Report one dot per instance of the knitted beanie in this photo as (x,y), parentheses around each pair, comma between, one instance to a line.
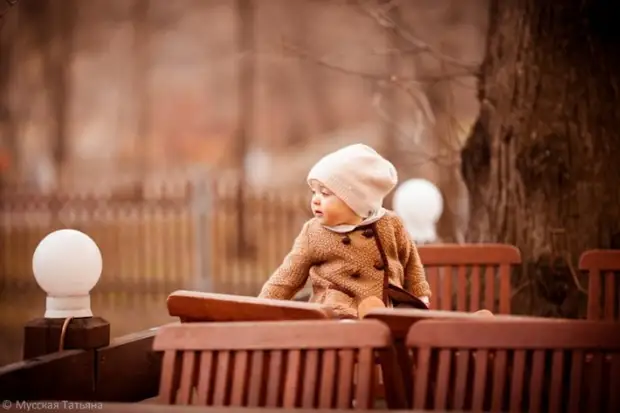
(358,175)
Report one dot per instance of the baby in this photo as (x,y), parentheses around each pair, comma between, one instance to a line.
(353,248)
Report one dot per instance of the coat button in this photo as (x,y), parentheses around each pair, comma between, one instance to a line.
(355,275)
(368,233)
(346,240)
(379,266)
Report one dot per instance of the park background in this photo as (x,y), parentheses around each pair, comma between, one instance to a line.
(178,136)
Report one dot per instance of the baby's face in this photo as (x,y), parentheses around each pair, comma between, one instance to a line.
(330,209)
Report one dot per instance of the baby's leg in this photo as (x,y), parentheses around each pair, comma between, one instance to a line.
(367,305)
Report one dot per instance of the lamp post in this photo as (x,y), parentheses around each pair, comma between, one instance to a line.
(67,264)
(419,204)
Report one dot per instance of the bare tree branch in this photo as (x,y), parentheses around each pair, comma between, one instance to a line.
(380,16)
(414,86)
(300,53)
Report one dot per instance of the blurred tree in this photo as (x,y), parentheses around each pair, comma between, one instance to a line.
(392,104)
(142,66)
(58,29)
(312,78)
(8,138)
(541,161)
(246,85)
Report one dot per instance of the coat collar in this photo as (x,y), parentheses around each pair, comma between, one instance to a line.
(343,229)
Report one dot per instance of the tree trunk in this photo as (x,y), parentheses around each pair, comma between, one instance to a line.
(541,163)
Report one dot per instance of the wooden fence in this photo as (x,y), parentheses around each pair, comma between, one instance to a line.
(211,236)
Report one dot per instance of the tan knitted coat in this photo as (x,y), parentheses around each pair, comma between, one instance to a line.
(346,268)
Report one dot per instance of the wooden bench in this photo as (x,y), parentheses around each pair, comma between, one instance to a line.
(603,267)
(308,364)
(516,366)
(399,321)
(195,306)
(457,272)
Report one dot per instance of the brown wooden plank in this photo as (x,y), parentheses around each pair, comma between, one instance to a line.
(557,375)
(486,333)
(576,374)
(276,361)
(291,380)
(128,370)
(443,380)
(67,375)
(600,259)
(446,288)
(536,381)
(240,379)
(167,392)
(221,378)
(460,383)
(365,379)
(499,380)
(203,389)
(400,320)
(195,306)
(505,295)
(474,293)
(187,378)
(611,292)
(257,372)
(594,294)
(346,364)
(326,392)
(296,335)
(311,379)
(517,381)
(469,254)
(461,288)
(489,288)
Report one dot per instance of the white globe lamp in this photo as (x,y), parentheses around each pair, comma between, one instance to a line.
(419,203)
(67,264)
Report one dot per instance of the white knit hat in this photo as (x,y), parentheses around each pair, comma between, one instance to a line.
(358,175)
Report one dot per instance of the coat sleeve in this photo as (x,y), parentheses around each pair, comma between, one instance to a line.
(291,275)
(415,278)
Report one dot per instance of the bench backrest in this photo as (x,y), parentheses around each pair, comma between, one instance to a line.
(195,306)
(308,364)
(516,366)
(603,267)
(400,320)
(471,276)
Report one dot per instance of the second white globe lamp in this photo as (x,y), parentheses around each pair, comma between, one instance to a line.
(419,203)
